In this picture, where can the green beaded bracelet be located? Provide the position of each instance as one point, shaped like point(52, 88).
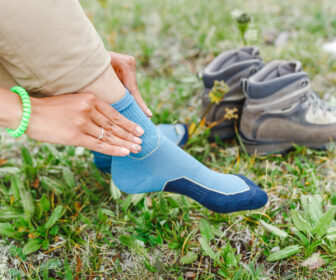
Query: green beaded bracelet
point(25, 114)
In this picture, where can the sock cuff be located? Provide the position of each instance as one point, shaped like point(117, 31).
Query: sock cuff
point(124, 102)
point(128, 107)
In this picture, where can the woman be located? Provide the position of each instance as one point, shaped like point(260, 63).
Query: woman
point(51, 49)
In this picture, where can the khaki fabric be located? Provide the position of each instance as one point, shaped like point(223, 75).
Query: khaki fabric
point(6, 80)
point(49, 47)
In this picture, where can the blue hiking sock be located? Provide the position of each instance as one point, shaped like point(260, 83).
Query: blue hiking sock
point(178, 133)
point(163, 166)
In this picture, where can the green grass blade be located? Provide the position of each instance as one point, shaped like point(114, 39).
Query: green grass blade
point(8, 170)
point(48, 183)
point(276, 231)
point(324, 222)
point(115, 192)
point(315, 207)
point(6, 229)
point(14, 188)
point(331, 233)
point(207, 249)
point(189, 258)
point(31, 246)
point(283, 253)
point(69, 177)
point(27, 201)
point(26, 156)
point(299, 222)
point(8, 213)
point(206, 230)
point(56, 214)
point(45, 204)
point(67, 271)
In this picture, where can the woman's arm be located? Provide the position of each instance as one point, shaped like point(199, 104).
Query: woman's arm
point(75, 119)
point(10, 109)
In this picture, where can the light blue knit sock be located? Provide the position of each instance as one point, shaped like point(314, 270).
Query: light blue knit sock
point(163, 166)
point(177, 133)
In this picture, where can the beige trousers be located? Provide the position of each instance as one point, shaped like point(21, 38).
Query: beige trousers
point(49, 47)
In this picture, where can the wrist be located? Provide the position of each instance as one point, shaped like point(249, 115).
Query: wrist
point(10, 108)
point(15, 116)
point(37, 105)
point(26, 112)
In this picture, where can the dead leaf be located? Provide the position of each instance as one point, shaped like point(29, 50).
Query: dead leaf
point(314, 261)
point(31, 235)
point(149, 201)
point(78, 205)
point(36, 183)
point(78, 267)
point(190, 274)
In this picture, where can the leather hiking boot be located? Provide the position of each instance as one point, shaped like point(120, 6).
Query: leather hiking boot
point(281, 109)
point(230, 67)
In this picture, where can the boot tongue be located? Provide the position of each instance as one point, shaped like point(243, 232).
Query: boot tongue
point(289, 67)
point(248, 53)
point(244, 54)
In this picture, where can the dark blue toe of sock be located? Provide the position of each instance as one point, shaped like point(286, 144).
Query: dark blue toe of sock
point(253, 198)
point(103, 162)
point(259, 196)
point(185, 137)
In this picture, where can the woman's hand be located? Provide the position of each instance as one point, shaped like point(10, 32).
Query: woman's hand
point(125, 68)
point(77, 119)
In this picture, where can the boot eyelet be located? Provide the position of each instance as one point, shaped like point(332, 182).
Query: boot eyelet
point(253, 71)
point(304, 83)
point(303, 97)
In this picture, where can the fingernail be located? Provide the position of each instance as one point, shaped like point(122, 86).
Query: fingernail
point(149, 113)
point(136, 147)
point(125, 151)
point(137, 140)
point(140, 130)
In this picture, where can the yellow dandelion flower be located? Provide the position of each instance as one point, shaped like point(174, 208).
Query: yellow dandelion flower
point(218, 91)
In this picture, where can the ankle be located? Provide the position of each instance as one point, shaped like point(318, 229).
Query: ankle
point(107, 87)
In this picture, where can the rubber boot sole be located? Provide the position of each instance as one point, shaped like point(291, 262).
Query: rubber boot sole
point(263, 148)
point(223, 133)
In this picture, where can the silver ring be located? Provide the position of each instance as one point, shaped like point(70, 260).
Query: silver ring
point(101, 135)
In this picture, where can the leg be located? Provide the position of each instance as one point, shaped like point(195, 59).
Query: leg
point(107, 87)
point(70, 64)
point(163, 166)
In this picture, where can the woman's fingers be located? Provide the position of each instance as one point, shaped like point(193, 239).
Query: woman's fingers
point(118, 119)
point(125, 68)
point(130, 83)
point(106, 136)
point(96, 145)
point(138, 98)
point(101, 121)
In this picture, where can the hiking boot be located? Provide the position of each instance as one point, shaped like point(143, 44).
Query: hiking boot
point(230, 67)
point(281, 109)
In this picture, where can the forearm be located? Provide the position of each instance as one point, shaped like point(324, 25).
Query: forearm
point(10, 109)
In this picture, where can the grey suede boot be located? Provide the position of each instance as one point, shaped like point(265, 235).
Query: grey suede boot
point(230, 67)
point(281, 109)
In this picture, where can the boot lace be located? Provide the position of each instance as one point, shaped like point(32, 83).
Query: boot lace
point(318, 103)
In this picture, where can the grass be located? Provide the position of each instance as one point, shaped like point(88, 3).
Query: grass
point(82, 229)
